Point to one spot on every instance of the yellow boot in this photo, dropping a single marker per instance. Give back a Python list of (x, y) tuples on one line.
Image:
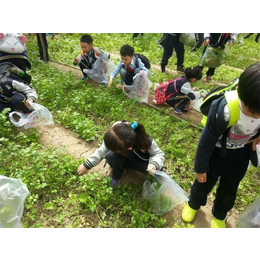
[(217, 223), (188, 214)]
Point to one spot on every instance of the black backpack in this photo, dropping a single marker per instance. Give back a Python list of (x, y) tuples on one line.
[(144, 59), (8, 69)]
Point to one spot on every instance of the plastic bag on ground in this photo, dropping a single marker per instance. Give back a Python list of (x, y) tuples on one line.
[(139, 90), (101, 69), (165, 196), (188, 39), (40, 116), (13, 192), (212, 58), (250, 218)]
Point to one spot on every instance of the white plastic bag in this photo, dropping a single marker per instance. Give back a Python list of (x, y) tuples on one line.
[(40, 116), (139, 90), (188, 39), (167, 196), (250, 218), (197, 102), (12, 195), (101, 69)]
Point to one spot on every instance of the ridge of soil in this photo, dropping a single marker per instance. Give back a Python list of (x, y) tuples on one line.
[(59, 137)]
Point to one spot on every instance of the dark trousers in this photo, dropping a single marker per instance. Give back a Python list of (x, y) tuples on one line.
[(119, 163), (17, 103), (127, 76), (179, 100), (229, 171), (43, 46), (172, 42)]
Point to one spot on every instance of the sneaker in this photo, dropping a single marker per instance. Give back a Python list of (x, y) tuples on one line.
[(208, 78), (180, 68), (186, 108), (188, 214), (115, 183), (217, 223), (177, 111)]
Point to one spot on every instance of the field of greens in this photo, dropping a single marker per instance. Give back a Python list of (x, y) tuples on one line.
[(59, 198)]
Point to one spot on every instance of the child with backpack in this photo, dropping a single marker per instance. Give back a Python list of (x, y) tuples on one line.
[(178, 92), (88, 55), (240, 143), (15, 91), (129, 66), (126, 146)]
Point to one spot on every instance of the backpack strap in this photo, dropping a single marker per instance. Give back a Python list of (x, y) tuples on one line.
[(175, 87), (233, 105)]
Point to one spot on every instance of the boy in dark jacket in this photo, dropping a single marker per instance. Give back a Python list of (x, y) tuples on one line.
[(241, 142)]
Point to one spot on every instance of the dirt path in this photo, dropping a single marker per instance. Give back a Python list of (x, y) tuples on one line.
[(60, 137)]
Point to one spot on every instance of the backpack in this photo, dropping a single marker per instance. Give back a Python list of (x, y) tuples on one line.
[(231, 96), (144, 59), (160, 91), (8, 69)]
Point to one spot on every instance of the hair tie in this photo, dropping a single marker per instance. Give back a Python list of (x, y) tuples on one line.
[(134, 125)]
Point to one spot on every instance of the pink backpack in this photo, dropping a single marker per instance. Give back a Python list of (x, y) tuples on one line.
[(160, 91)]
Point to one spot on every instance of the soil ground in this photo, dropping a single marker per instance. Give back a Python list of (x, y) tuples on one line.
[(60, 137)]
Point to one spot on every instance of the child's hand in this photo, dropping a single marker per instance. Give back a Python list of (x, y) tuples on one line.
[(110, 81), (75, 61), (28, 102), (254, 142), (196, 89), (82, 170), (201, 177), (151, 168)]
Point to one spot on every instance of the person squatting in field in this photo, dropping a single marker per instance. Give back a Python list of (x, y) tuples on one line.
[(126, 146)]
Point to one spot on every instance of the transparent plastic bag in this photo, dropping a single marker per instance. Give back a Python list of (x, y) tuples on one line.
[(40, 116), (250, 218), (13, 192), (213, 57), (101, 69), (197, 102), (165, 196), (139, 90), (188, 39)]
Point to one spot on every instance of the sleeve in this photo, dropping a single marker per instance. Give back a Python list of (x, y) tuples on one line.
[(214, 129), (187, 90), (118, 68), (233, 37), (157, 156), (26, 89), (95, 158), (142, 66)]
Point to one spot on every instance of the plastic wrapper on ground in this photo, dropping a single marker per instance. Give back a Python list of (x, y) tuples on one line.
[(13, 192), (139, 90), (165, 194)]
